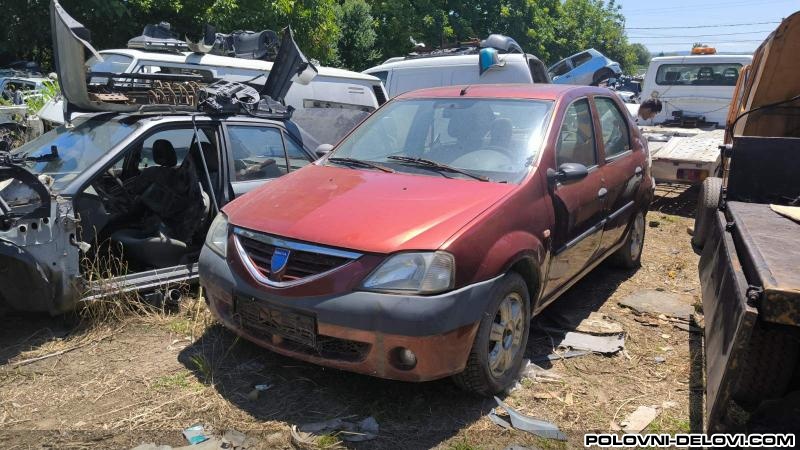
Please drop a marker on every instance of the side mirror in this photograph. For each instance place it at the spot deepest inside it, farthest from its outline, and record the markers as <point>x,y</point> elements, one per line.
<point>566,173</point>
<point>323,150</point>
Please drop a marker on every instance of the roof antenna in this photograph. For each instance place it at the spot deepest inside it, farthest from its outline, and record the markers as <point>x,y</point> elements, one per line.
<point>464,91</point>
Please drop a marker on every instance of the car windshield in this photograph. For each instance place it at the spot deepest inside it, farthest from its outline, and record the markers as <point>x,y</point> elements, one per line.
<point>64,153</point>
<point>488,138</point>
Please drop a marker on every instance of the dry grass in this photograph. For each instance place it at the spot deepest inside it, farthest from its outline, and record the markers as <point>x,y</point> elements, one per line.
<point>137,373</point>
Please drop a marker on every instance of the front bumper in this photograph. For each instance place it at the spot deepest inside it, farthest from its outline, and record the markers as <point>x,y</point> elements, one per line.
<point>356,331</point>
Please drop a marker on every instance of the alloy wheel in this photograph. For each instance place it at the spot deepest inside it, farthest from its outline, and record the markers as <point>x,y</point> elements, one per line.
<point>505,337</point>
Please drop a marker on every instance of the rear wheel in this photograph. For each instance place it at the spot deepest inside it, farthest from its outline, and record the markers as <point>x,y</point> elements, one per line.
<point>707,204</point>
<point>496,356</point>
<point>629,256</point>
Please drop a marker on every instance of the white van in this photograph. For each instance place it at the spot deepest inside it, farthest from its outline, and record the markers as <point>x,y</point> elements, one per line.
<point>696,85</point>
<point>462,66</point>
<point>334,95</point>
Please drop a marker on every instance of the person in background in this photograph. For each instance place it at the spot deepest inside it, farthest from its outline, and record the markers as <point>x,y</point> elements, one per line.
<point>648,109</point>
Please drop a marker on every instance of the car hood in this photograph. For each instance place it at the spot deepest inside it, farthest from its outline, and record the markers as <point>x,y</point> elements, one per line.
<point>365,210</point>
<point>71,40</point>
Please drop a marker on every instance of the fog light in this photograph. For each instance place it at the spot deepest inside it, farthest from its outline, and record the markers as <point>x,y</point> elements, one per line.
<point>403,358</point>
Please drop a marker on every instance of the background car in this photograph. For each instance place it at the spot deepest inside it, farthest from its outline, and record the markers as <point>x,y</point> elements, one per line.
<point>589,68</point>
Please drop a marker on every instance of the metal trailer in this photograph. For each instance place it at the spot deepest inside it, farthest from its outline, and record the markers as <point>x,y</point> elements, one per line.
<point>681,155</point>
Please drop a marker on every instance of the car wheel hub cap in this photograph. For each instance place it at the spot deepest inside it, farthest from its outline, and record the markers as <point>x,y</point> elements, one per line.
<point>505,337</point>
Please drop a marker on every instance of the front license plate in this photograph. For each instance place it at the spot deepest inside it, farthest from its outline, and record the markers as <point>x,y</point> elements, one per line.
<point>260,317</point>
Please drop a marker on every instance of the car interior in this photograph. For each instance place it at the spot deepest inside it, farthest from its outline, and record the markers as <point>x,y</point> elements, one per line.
<point>152,208</point>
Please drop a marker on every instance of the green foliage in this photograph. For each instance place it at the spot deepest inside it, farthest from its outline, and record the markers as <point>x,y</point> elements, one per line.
<point>641,54</point>
<point>357,43</point>
<point>36,101</point>
<point>352,33</point>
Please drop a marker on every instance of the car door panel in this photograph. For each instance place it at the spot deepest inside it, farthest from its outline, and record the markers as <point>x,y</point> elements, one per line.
<point>579,205</point>
<point>623,170</point>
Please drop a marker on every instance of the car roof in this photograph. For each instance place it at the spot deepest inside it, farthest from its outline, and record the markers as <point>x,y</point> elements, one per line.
<point>227,61</point>
<point>175,116</point>
<point>701,58</point>
<point>441,61</point>
<point>507,91</point>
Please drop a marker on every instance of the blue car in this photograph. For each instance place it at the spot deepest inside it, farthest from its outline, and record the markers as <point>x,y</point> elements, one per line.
<point>588,67</point>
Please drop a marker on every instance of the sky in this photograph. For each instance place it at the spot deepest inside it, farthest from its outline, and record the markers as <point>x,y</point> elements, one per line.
<point>740,23</point>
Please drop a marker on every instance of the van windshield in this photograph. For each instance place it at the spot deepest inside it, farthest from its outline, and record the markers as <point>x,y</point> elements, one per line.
<point>491,138</point>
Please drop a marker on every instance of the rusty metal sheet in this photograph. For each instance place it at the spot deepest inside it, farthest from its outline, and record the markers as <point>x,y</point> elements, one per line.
<point>729,320</point>
<point>769,249</point>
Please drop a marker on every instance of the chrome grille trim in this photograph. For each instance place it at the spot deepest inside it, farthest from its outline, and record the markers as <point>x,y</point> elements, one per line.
<point>256,273</point>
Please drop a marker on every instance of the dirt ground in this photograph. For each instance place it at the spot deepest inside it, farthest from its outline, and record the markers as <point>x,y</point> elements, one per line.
<point>146,377</point>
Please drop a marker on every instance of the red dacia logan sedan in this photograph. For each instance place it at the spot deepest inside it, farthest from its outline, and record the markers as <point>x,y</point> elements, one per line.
<point>421,246</point>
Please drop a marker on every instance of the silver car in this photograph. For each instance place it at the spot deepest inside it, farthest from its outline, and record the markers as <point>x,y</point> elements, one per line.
<point>588,67</point>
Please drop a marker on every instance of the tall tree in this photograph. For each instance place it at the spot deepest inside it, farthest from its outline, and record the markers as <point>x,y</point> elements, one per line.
<point>357,43</point>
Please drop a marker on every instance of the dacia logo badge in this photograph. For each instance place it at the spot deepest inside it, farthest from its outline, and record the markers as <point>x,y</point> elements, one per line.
<point>278,264</point>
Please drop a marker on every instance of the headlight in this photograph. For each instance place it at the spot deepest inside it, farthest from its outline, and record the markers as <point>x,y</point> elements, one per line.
<point>418,273</point>
<point>217,237</point>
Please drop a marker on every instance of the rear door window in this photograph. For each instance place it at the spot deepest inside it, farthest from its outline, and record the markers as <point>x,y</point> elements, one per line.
<point>613,126</point>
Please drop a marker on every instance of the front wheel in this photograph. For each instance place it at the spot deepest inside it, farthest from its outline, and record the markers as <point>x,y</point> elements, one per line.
<point>496,356</point>
<point>629,256</point>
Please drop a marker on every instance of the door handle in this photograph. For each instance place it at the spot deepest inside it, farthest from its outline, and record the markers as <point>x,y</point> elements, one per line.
<point>602,193</point>
<point>638,170</point>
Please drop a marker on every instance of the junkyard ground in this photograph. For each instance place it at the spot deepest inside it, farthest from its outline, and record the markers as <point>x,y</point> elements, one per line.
<point>145,377</point>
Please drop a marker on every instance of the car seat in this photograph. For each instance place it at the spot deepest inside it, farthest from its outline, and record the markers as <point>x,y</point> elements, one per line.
<point>730,75</point>
<point>500,133</point>
<point>175,197</point>
<point>672,77</point>
<point>705,75</point>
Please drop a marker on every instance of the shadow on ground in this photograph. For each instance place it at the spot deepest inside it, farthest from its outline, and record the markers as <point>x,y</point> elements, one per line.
<point>411,415</point>
<point>679,200</point>
<point>22,332</point>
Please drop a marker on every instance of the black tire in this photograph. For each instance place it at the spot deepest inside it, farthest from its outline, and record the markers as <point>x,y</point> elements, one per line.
<point>707,204</point>
<point>629,256</point>
<point>478,376</point>
<point>601,75</point>
<point>767,368</point>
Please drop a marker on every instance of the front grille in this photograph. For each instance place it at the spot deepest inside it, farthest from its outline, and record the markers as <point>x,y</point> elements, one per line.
<point>301,264</point>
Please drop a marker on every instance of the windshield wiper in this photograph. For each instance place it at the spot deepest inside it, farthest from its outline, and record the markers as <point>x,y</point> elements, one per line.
<point>422,162</point>
<point>360,162</point>
<point>7,158</point>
